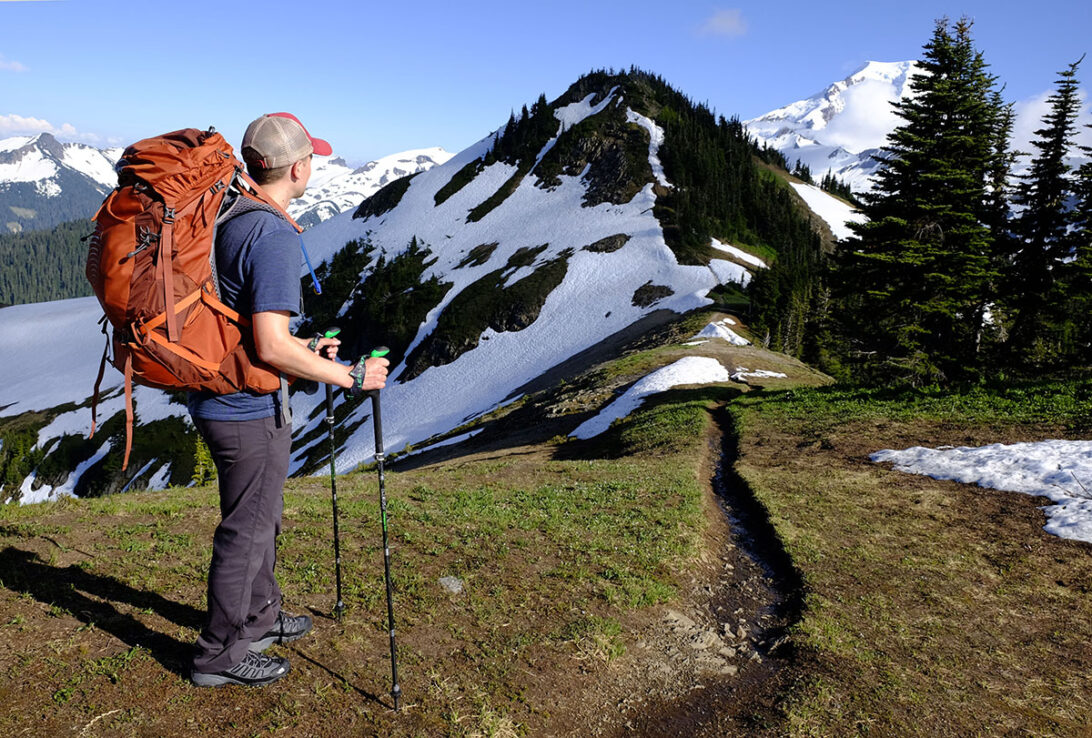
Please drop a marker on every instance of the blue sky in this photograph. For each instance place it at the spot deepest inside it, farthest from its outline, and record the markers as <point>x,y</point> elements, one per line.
<point>375,78</point>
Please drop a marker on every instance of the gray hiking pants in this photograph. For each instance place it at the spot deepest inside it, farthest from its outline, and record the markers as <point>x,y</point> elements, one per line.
<point>243,597</point>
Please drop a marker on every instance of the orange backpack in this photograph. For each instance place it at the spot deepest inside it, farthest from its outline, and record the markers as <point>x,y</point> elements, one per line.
<point>151,264</point>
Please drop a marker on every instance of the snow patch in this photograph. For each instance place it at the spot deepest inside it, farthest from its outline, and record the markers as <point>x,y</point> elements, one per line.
<point>739,254</point>
<point>66,488</point>
<point>655,141</point>
<point>690,370</point>
<point>742,374</point>
<point>835,212</point>
<point>1061,471</point>
<point>721,330</point>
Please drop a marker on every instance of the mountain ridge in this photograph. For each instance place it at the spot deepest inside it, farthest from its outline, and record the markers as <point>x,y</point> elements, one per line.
<point>512,274</point>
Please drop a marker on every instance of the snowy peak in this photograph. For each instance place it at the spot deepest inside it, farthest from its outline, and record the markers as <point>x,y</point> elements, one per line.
<point>840,128</point>
<point>44,182</point>
<point>851,113</point>
<point>336,187</point>
<point>39,158</point>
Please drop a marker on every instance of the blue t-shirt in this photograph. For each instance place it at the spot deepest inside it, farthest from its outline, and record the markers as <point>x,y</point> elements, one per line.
<point>258,259</point>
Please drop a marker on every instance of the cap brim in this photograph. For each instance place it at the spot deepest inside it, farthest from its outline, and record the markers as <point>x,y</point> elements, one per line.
<point>322,148</point>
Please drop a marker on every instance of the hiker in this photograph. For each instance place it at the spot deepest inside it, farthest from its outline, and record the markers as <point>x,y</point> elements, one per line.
<point>258,257</point>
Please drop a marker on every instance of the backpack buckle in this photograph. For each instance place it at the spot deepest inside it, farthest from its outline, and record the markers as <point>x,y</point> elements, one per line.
<point>168,214</point>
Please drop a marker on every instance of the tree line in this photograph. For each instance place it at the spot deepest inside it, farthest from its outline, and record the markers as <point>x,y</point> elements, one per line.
<point>38,266</point>
<point>963,270</point>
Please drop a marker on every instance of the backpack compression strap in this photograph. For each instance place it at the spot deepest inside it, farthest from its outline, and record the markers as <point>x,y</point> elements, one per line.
<point>165,266</point>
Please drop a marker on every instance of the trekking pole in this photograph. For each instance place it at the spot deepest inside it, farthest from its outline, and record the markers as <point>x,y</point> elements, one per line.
<point>396,689</point>
<point>339,608</point>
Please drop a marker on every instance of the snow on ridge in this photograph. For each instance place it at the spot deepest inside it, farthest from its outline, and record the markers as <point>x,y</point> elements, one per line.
<point>31,167</point>
<point>571,115</point>
<point>98,164</point>
<point>14,143</point>
<point>574,113</point>
<point>739,254</point>
<point>592,302</point>
<point>1061,471</point>
<point>836,213</point>
<point>655,141</point>
<point>688,370</point>
<point>721,330</point>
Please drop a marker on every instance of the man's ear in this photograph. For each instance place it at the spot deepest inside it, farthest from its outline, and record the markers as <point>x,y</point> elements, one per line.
<point>296,171</point>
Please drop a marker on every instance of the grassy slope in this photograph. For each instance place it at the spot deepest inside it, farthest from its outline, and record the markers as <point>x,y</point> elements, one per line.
<point>101,597</point>
<point>932,608</point>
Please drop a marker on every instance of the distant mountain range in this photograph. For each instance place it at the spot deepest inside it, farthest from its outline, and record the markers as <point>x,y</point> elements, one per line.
<point>44,182</point>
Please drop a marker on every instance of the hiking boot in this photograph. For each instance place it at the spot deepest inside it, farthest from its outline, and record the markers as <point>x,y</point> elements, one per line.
<point>288,628</point>
<point>255,670</point>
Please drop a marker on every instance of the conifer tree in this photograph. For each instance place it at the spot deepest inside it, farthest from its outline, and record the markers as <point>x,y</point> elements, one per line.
<point>1078,272</point>
<point>916,280</point>
<point>1042,332</point>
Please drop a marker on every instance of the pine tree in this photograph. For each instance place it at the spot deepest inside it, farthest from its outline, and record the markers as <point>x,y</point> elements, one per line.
<point>1042,332</point>
<point>916,280</point>
<point>1078,273</point>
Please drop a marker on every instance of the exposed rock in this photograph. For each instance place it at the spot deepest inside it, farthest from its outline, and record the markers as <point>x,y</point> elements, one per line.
<point>609,244</point>
<point>452,585</point>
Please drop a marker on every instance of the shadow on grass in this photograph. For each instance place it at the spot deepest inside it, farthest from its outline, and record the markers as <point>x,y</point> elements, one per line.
<point>344,680</point>
<point>89,597</point>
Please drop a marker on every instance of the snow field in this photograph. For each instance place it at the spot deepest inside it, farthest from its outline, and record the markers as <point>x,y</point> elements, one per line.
<point>591,303</point>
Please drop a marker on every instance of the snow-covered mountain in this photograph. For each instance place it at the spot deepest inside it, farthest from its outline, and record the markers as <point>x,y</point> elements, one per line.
<point>538,243</point>
<point>336,187</point>
<point>44,182</point>
<point>841,128</point>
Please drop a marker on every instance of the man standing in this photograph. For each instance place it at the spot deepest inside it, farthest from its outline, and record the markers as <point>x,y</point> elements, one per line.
<point>258,259</point>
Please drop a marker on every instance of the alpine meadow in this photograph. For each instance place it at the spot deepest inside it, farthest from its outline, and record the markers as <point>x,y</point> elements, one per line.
<point>695,426</point>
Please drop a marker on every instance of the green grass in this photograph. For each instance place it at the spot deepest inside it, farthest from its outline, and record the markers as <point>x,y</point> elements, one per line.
<point>556,555</point>
<point>930,607</point>
<point>1065,403</point>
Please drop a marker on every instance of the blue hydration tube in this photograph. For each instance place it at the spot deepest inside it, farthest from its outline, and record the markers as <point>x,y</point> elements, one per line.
<point>307,259</point>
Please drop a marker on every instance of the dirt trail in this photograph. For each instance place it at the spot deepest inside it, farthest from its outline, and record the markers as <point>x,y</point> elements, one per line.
<point>712,663</point>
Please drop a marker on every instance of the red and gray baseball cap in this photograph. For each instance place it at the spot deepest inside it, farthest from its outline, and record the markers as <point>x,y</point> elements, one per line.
<point>279,139</point>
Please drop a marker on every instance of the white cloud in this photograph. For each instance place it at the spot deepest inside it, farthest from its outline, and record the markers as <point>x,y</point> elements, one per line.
<point>728,23</point>
<point>19,125</point>
<point>10,65</point>
<point>1029,118</point>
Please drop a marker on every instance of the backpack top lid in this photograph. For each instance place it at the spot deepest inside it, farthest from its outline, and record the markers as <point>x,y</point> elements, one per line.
<point>178,163</point>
